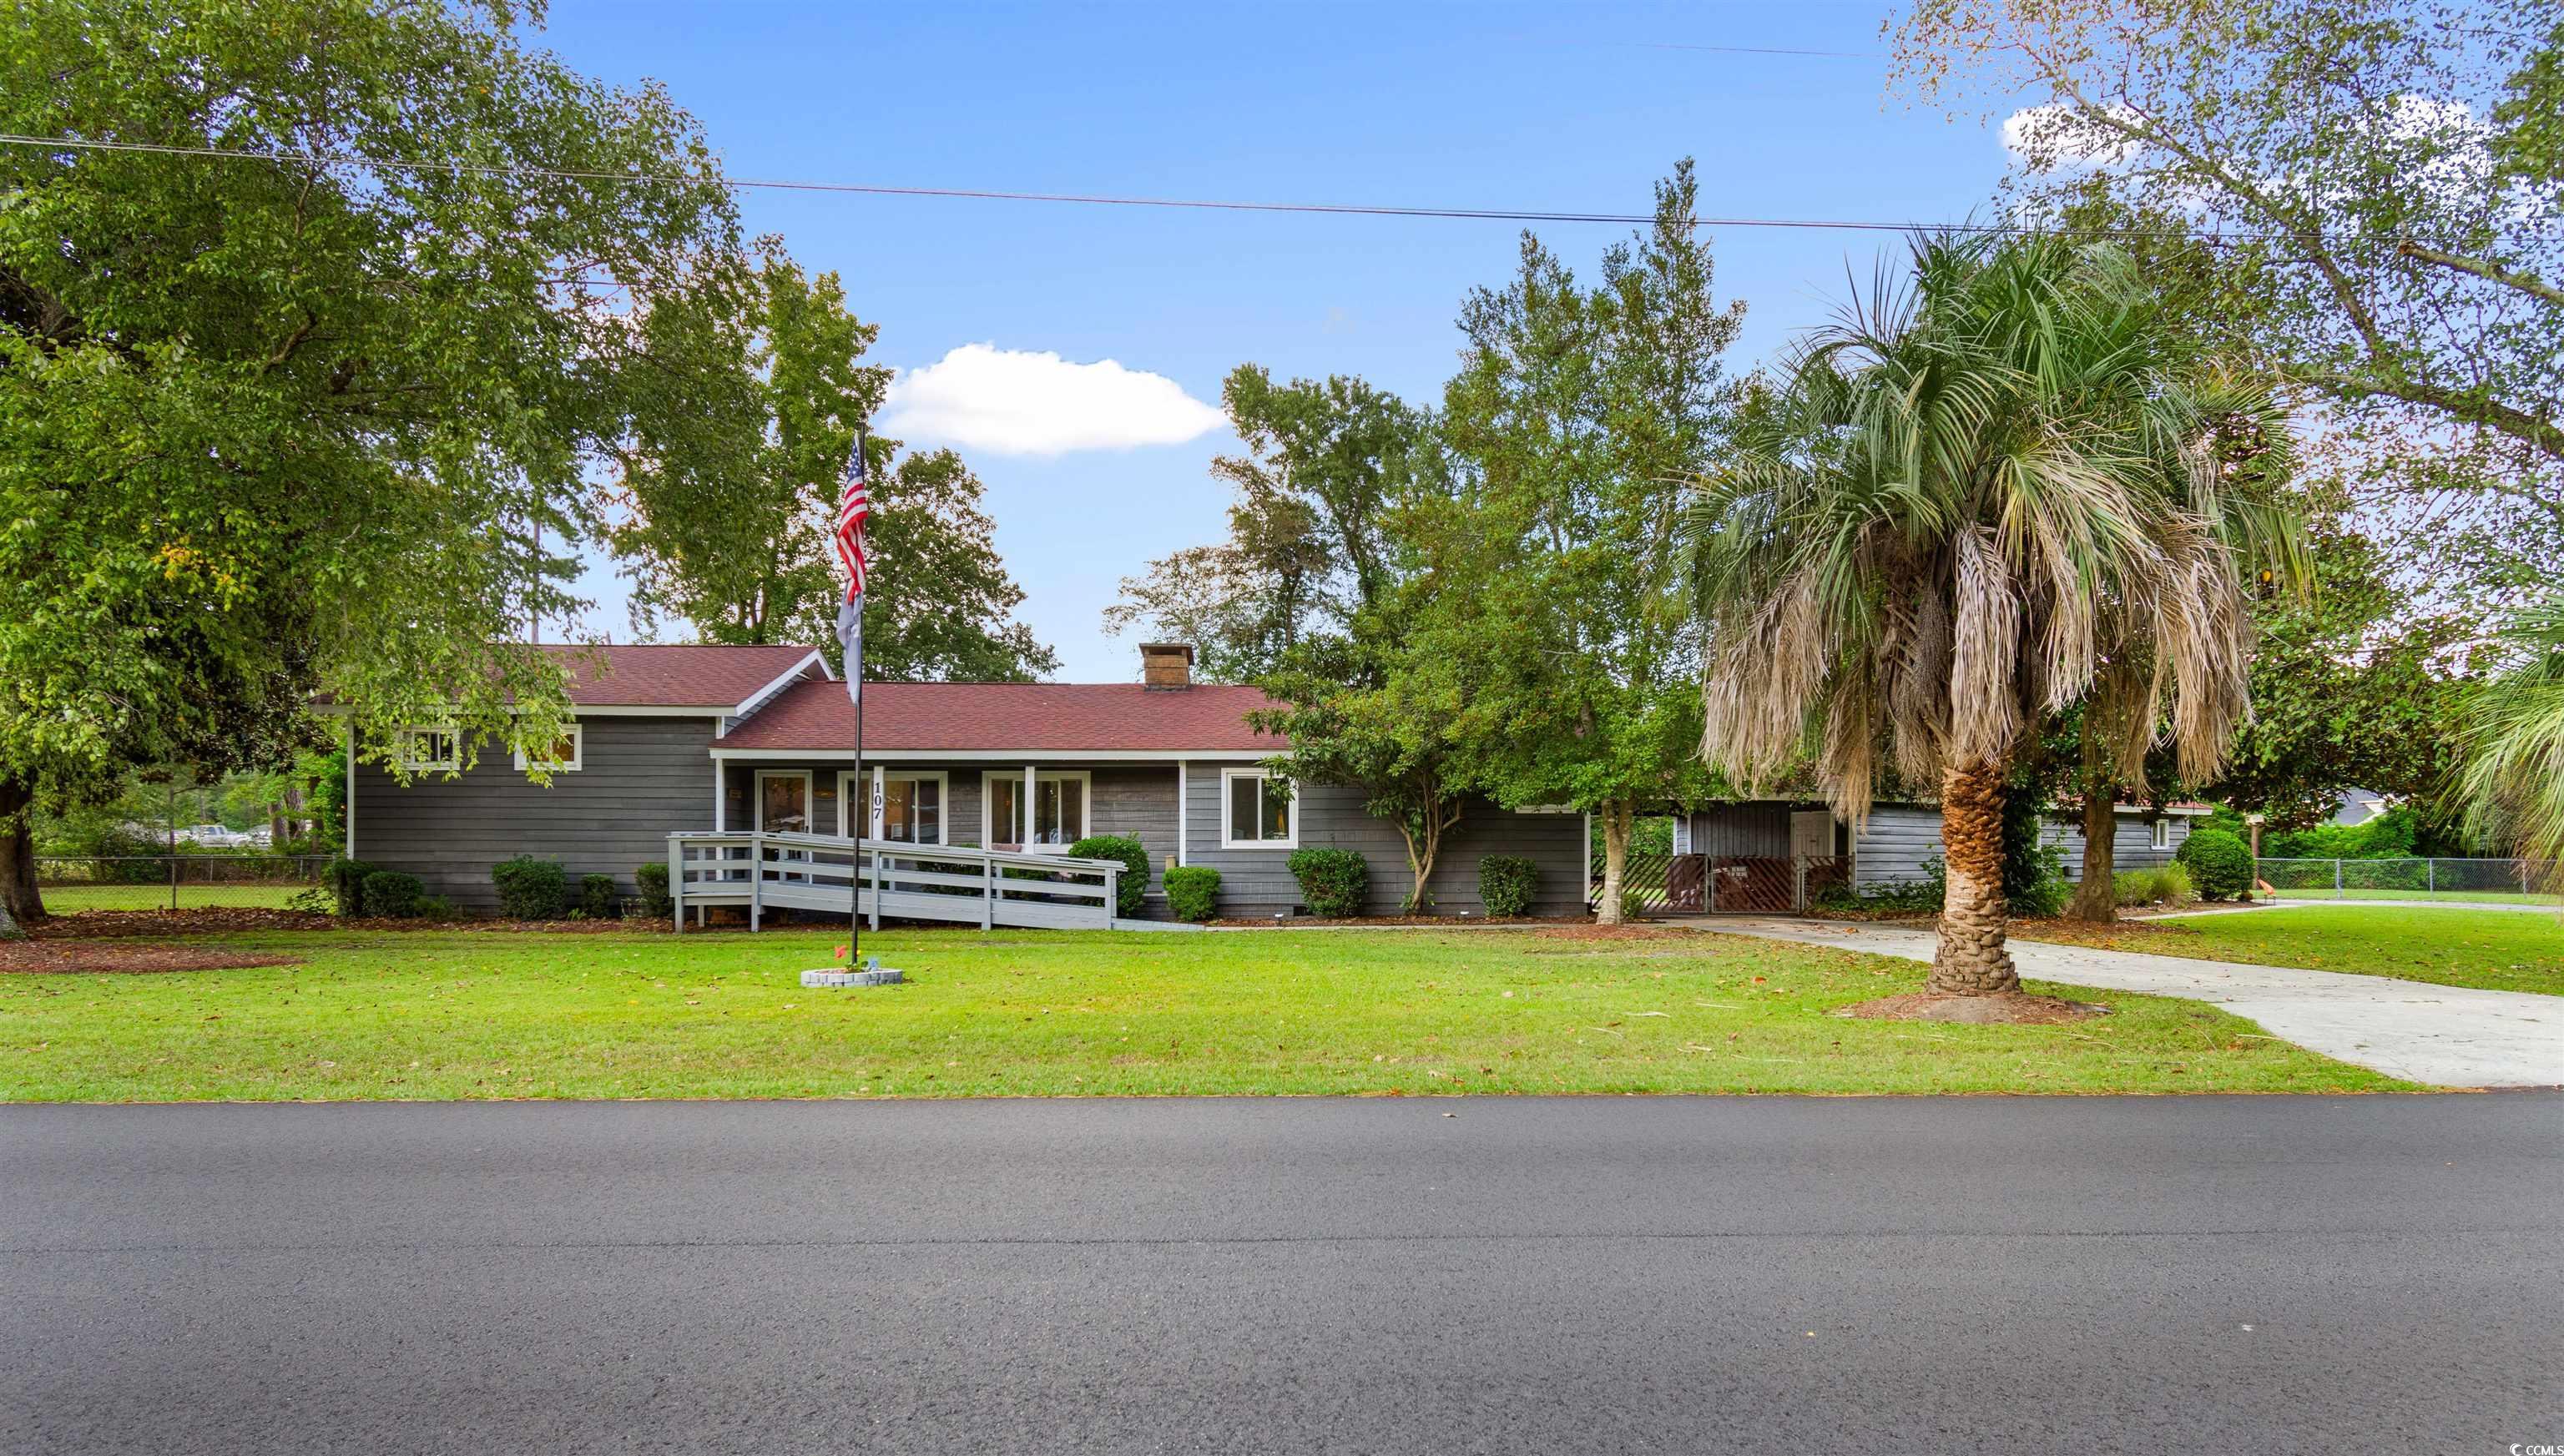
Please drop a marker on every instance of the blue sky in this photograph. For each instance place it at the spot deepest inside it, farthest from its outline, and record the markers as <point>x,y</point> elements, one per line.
<point>1553,108</point>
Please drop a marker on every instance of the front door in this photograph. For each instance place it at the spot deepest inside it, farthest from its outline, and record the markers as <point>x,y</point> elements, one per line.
<point>783,802</point>
<point>1811,840</point>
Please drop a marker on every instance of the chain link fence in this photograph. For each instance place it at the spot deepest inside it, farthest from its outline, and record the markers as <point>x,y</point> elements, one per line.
<point>73,885</point>
<point>2457,881</point>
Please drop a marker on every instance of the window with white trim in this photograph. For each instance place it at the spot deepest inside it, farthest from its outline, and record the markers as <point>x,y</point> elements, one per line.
<point>1256,810</point>
<point>1060,801</point>
<point>429,749</point>
<point>910,807</point>
<point>2163,834</point>
<point>568,752</point>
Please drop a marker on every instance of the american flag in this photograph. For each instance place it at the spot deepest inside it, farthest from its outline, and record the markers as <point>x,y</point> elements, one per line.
<point>854,507</point>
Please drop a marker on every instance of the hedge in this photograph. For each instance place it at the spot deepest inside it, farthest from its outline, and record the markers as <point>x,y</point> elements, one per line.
<point>1132,887</point>
<point>596,898</point>
<point>393,895</point>
<point>2219,865</point>
<point>653,880</point>
<point>1193,893</point>
<point>530,889</point>
<point>347,881</point>
<point>1334,882</point>
<point>1507,883</point>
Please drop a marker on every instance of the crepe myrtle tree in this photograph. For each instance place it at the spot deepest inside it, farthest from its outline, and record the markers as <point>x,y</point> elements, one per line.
<point>1939,525</point>
<point>275,422</point>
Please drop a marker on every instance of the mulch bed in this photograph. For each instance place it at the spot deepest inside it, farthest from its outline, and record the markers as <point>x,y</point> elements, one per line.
<point>1448,921</point>
<point>124,957</point>
<point>112,925</point>
<point>2015,1010</point>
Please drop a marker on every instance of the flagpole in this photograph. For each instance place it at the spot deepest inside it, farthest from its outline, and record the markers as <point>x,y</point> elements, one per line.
<point>863,786</point>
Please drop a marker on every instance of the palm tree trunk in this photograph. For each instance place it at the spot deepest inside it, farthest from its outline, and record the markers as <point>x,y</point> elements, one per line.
<point>2097,899</point>
<point>1617,814</point>
<point>1971,961</point>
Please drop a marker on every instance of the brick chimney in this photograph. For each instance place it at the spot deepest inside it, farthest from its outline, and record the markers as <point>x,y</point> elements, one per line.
<point>1167,667</point>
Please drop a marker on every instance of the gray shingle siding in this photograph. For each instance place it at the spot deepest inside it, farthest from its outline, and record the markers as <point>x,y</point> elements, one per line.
<point>644,778</point>
<point>640,778</point>
<point>1258,882</point>
<point>1899,838</point>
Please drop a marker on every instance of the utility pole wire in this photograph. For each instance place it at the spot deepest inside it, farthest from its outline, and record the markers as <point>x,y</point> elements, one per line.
<point>1334,209</point>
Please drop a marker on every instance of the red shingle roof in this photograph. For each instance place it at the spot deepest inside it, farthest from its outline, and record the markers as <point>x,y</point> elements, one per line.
<point>650,676</point>
<point>1031,717</point>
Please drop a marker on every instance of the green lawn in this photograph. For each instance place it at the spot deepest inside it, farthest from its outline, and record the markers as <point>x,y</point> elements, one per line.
<point>440,1014</point>
<point>77,899</point>
<point>2439,897</point>
<point>2499,949</point>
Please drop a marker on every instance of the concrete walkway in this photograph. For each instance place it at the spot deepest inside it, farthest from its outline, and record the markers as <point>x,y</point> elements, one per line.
<point>2450,1036</point>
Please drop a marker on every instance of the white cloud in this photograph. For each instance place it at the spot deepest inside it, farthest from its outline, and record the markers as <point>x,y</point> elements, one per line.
<point>2059,134</point>
<point>1020,402</point>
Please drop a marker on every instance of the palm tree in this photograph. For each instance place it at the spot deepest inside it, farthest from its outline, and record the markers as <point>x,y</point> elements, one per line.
<point>2511,772</point>
<point>1948,519</point>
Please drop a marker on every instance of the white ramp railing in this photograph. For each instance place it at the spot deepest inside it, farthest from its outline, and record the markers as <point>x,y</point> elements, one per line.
<point>986,888</point>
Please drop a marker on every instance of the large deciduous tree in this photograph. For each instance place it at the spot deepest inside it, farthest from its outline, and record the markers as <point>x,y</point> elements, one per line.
<point>1939,527</point>
<point>2377,185</point>
<point>723,511</point>
<point>1576,417</point>
<point>1308,546</point>
<point>268,423</point>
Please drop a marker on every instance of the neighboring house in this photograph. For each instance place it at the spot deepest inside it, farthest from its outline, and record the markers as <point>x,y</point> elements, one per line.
<point>673,738</point>
<point>2357,807</point>
<point>1898,840</point>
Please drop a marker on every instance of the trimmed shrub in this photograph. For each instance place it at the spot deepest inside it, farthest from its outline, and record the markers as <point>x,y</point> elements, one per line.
<point>1506,883</point>
<point>2161,885</point>
<point>438,907</point>
<point>596,898</point>
<point>655,901</point>
<point>2219,865</point>
<point>530,889</point>
<point>347,881</point>
<point>1334,882</point>
<point>1193,893</point>
<point>1134,883</point>
<point>394,896</point>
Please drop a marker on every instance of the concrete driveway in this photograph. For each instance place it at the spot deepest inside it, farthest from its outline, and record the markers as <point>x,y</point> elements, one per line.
<point>2449,1036</point>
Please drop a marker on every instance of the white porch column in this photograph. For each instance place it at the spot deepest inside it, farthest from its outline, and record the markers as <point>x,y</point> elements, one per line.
<point>1179,814</point>
<point>721,800</point>
<point>1031,777</point>
<point>873,806</point>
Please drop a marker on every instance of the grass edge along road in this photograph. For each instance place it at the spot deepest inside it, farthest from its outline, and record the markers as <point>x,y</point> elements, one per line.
<point>444,1015</point>
<point>2489,949</point>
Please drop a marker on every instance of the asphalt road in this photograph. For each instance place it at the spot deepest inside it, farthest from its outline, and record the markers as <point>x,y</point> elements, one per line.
<point>1981,1275</point>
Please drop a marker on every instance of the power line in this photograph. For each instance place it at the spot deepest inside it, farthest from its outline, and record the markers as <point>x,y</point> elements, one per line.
<point>1332,209</point>
<point>1746,50</point>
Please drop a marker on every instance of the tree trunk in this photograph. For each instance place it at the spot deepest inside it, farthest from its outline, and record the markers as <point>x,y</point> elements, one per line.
<point>1617,814</point>
<point>2097,899</point>
<point>20,904</point>
<point>1971,961</point>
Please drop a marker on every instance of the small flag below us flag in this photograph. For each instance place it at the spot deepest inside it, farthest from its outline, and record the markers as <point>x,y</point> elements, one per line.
<point>854,507</point>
